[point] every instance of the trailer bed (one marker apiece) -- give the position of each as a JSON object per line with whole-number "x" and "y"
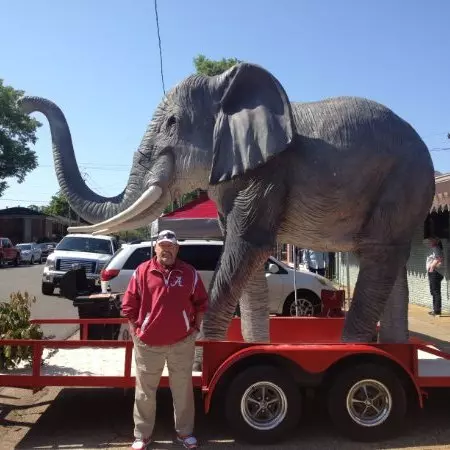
{"x": 111, "y": 363}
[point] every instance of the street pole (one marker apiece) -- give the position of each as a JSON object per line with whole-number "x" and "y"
{"x": 297, "y": 306}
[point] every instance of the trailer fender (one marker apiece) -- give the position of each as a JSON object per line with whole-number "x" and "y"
{"x": 265, "y": 352}
{"x": 341, "y": 358}
{"x": 381, "y": 356}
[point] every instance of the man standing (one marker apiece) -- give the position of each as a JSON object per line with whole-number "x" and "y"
{"x": 316, "y": 261}
{"x": 164, "y": 303}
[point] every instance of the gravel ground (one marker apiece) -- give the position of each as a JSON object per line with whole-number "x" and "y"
{"x": 102, "y": 418}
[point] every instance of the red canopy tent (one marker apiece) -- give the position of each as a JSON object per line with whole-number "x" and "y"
{"x": 195, "y": 220}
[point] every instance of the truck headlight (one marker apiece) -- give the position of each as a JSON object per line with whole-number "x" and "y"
{"x": 50, "y": 264}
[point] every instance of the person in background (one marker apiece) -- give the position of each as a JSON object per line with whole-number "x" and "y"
{"x": 435, "y": 270}
{"x": 316, "y": 262}
{"x": 164, "y": 303}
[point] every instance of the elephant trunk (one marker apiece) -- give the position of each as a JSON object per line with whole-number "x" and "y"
{"x": 86, "y": 203}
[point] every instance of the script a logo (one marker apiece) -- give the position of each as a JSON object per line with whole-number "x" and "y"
{"x": 178, "y": 281}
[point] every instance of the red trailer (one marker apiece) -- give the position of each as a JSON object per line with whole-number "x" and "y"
{"x": 368, "y": 387}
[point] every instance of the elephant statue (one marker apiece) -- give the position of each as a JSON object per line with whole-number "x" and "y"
{"x": 341, "y": 174}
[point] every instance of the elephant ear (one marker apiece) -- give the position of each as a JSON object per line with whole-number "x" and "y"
{"x": 254, "y": 121}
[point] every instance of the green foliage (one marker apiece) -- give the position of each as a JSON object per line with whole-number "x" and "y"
{"x": 15, "y": 324}
{"x": 59, "y": 206}
{"x": 140, "y": 233}
{"x": 210, "y": 67}
{"x": 17, "y": 132}
{"x": 186, "y": 198}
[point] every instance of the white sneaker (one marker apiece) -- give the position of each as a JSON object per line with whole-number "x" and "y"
{"x": 140, "y": 444}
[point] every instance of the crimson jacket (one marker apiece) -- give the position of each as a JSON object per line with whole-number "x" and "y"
{"x": 162, "y": 303}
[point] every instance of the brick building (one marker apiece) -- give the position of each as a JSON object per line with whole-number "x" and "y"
{"x": 27, "y": 225}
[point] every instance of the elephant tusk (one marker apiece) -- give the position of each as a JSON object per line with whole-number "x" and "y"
{"x": 104, "y": 231}
{"x": 129, "y": 225}
{"x": 147, "y": 199}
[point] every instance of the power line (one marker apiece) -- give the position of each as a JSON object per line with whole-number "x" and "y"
{"x": 22, "y": 200}
{"x": 160, "y": 48}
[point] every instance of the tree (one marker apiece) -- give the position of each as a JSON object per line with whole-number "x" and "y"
{"x": 17, "y": 132}
{"x": 34, "y": 207}
{"x": 59, "y": 206}
{"x": 210, "y": 67}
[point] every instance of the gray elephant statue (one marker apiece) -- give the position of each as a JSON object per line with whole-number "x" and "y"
{"x": 342, "y": 174}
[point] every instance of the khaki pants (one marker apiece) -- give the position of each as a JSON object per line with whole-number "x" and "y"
{"x": 150, "y": 363}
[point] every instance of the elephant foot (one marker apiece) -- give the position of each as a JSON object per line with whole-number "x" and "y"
{"x": 198, "y": 360}
{"x": 348, "y": 338}
{"x": 393, "y": 336}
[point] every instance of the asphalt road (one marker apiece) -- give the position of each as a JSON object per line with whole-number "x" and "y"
{"x": 28, "y": 278}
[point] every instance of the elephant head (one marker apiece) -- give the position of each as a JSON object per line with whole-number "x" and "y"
{"x": 207, "y": 130}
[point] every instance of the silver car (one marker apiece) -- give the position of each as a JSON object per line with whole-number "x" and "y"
{"x": 30, "y": 253}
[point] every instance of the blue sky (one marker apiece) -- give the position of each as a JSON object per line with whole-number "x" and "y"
{"x": 99, "y": 61}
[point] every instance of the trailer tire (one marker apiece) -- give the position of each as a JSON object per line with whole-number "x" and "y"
{"x": 241, "y": 400}
{"x": 355, "y": 386}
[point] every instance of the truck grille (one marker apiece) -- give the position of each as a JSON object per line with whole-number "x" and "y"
{"x": 67, "y": 264}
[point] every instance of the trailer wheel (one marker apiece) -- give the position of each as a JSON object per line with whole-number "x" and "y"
{"x": 262, "y": 405}
{"x": 367, "y": 402}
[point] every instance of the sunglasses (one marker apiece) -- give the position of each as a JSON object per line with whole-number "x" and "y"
{"x": 166, "y": 236}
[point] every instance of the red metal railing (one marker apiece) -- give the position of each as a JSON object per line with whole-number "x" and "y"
{"x": 82, "y": 322}
{"x": 36, "y": 380}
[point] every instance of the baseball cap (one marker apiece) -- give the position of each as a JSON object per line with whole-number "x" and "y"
{"x": 167, "y": 236}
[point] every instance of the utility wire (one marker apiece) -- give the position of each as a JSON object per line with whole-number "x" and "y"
{"x": 160, "y": 49}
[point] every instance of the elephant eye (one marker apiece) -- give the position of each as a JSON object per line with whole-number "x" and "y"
{"x": 171, "y": 121}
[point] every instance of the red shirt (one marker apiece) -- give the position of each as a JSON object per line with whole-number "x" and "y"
{"x": 162, "y": 302}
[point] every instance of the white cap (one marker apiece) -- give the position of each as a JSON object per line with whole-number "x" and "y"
{"x": 167, "y": 236}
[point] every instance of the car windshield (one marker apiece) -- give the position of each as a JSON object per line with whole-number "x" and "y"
{"x": 24, "y": 246}
{"x": 85, "y": 244}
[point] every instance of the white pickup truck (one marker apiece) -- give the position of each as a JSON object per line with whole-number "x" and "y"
{"x": 75, "y": 251}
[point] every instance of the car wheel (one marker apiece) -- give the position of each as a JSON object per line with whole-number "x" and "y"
{"x": 309, "y": 304}
{"x": 47, "y": 288}
{"x": 32, "y": 260}
{"x": 367, "y": 402}
{"x": 262, "y": 405}
{"x": 40, "y": 260}
{"x": 17, "y": 261}
{"x": 1, "y": 262}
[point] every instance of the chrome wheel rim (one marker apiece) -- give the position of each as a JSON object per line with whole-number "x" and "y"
{"x": 369, "y": 403}
{"x": 264, "y": 406}
{"x": 306, "y": 307}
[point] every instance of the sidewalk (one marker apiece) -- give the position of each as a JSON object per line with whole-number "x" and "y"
{"x": 424, "y": 326}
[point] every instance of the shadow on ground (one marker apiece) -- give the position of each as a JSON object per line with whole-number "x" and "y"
{"x": 439, "y": 343}
{"x": 101, "y": 418}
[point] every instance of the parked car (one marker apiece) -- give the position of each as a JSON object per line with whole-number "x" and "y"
{"x": 30, "y": 253}
{"x": 77, "y": 250}
{"x": 204, "y": 256}
{"x": 8, "y": 253}
{"x": 47, "y": 248}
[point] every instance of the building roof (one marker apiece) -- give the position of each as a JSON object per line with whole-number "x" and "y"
{"x": 21, "y": 211}
{"x": 441, "y": 199}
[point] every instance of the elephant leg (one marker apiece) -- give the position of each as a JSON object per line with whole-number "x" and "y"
{"x": 245, "y": 262}
{"x": 237, "y": 276}
{"x": 394, "y": 321}
{"x": 254, "y": 304}
{"x": 379, "y": 268}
